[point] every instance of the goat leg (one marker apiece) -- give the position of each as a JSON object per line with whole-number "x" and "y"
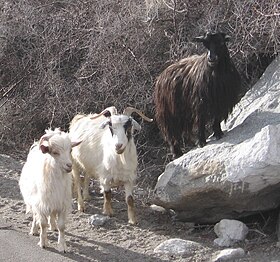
{"x": 61, "y": 231}
{"x": 201, "y": 132}
{"x": 175, "y": 149}
{"x": 107, "y": 207}
{"x": 218, "y": 133}
{"x": 43, "y": 233}
{"x": 130, "y": 204}
{"x": 35, "y": 227}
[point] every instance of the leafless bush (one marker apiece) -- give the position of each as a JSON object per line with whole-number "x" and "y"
{"x": 58, "y": 58}
{"x": 253, "y": 26}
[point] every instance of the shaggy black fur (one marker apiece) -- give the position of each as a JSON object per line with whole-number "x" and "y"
{"x": 195, "y": 91}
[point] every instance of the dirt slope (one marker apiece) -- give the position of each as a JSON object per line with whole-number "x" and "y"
{"x": 116, "y": 240}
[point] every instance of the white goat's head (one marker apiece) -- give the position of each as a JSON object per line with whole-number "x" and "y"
{"x": 58, "y": 144}
{"x": 121, "y": 126}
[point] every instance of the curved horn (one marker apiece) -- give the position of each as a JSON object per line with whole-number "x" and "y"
{"x": 49, "y": 134}
{"x": 129, "y": 110}
{"x": 109, "y": 110}
{"x": 43, "y": 147}
{"x": 199, "y": 39}
{"x": 45, "y": 137}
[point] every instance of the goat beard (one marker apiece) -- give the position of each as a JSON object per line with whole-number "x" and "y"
{"x": 123, "y": 159}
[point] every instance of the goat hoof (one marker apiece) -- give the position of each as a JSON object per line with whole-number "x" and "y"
{"x": 175, "y": 156}
{"x": 42, "y": 246}
{"x": 132, "y": 222}
{"x": 62, "y": 250}
{"x": 108, "y": 213}
{"x": 81, "y": 209}
{"x": 87, "y": 198}
{"x": 202, "y": 143}
{"x": 219, "y": 135}
{"x": 53, "y": 228}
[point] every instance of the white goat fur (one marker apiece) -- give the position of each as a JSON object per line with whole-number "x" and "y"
{"x": 97, "y": 157}
{"x": 46, "y": 184}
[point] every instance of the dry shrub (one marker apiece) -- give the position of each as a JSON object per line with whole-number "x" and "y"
{"x": 64, "y": 57}
{"x": 254, "y": 27}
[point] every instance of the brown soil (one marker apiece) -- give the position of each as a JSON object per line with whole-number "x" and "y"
{"x": 116, "y": 240}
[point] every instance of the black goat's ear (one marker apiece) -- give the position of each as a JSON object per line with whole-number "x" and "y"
{"x": 227, "y": 38}
{"x": 199, "y": 39}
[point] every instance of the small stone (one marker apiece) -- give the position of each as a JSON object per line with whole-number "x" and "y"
{"x": 230, "y": 232}
{"x": 158, "y": 208}
{"x": 178, "y": 246}
{"x": 98, "y": 220}
{"x": 229, "y": 254}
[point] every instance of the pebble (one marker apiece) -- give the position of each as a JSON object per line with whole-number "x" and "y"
{"x": 98, "y": 220}
{"x": 229, "y": 254}
{"x": 178, "y": 246}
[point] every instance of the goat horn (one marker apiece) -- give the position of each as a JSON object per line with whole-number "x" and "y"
{"x": 112, "y": 110}
{"x": 45, "y": 137}
{"x": 49, "y": 134}
{"x": 129, "y": 110}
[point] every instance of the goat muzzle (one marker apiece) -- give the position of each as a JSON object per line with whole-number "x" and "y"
{"x": 119, "y": 148}
{"x": 68, "y": 168}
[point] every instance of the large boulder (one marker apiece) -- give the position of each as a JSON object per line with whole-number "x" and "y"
{"x": 237, "y": 175}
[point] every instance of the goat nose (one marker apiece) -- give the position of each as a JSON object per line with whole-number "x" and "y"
{"x": 118, "y": 146}
{"x": 212, "y": 57}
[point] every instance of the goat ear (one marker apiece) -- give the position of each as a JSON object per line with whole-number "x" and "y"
{"x": 227, "y": 38}
{"x": 76, "y": 143}
{"x": 45, "y": 149}
{"x": 135, "y": 125}
{"x": 107, "y": 113}
{"x": 199, "y": 39}
{"x": 44, "y": 144}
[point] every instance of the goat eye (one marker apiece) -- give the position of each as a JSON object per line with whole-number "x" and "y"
{"x": 55, "y": 153}
{"x": 111, "y": 129}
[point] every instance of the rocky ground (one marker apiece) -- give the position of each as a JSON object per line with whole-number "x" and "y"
{"x": 118, "y": 241}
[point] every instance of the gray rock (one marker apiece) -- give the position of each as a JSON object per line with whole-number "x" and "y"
{"x": 229, "y": 254}
{"x": 178, "y": 246}
{"x": 158, "y": 209}
{"x": 98, "y": 220}
{"x": 278, "y": 229}
{"x": 229, "y": 232}
{"x": 238, "y": 175}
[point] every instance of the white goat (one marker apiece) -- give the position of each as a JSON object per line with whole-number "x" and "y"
{"x": 108, "y": 152}
{"x": 46, "y": 184}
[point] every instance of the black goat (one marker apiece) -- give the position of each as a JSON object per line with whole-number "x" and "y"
{"x": 195, "y": 91}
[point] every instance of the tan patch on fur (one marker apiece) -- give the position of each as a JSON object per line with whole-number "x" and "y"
{"x": 107, "y": 208}
{"x": 206, "y": 168}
